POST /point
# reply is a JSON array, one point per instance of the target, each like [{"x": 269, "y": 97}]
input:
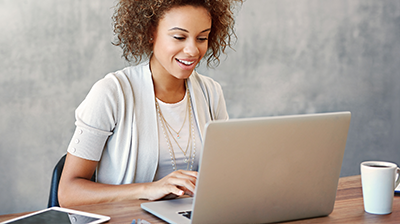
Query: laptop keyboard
[{"x": 187, "y": 214}]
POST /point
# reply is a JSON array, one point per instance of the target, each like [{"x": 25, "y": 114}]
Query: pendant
[
  {"x": 178, "y": 137},
  {"x": 185, "y": 160}
]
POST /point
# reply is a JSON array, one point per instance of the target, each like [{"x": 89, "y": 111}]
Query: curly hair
[{"x": 136, "y": 20}]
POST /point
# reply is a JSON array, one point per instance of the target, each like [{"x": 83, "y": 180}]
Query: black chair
[{"x": 53, "y": 197}]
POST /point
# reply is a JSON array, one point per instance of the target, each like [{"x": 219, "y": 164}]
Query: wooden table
[{"x": 348, "y": 208}]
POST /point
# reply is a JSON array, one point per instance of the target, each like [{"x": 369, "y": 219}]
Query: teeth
[{"x": 186, "y": 62}]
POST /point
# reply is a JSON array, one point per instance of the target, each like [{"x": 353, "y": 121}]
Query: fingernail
[{"x": 181, "y": 192}]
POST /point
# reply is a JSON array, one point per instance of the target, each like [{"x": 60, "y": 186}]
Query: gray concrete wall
[{"x": 291, "y": 57}]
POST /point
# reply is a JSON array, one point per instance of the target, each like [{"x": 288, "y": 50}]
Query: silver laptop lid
[{"x": 270, "y": 169}]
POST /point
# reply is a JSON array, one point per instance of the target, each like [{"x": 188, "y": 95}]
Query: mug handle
[{"x": 398, "y": 177}]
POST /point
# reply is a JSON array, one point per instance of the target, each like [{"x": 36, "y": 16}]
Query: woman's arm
[{"x": 76, "y": 188}]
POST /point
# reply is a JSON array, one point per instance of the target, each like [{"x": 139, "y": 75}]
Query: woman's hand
[
  {"x": 173, "y": 185},
  {"x": 76, "y": 188}
]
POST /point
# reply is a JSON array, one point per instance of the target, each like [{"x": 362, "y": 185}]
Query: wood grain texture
[{"x": 348, "y": 208}]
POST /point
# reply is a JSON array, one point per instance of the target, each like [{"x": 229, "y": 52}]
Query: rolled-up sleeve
[
  {"x": 95, "y": 121},
  {"x": 88, "y": 143}
]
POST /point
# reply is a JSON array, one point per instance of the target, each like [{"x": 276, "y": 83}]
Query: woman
[{"x": 141, "y": 128}]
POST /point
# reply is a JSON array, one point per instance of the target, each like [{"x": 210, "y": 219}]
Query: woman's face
[{"x": 180, "y": 41}]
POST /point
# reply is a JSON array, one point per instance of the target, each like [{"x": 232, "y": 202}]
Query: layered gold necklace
[{"x": 167, "y": 132}]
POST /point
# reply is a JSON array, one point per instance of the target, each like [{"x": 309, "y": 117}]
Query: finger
[
  {"x": 176, "y": 190},
  {"x": 187, "y": 192},
  {"x": 189, "y": 173},
  {"x": 184, "y": 175},
  {"x": 182, "y": 183}
]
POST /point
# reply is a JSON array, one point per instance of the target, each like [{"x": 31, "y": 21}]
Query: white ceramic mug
[{"x": 379, "y": 179}]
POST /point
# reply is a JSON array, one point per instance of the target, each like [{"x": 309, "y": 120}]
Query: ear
[{"x": 152, "y": 33}]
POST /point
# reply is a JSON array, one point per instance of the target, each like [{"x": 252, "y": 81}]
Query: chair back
[{"x": 55, "y": 179}]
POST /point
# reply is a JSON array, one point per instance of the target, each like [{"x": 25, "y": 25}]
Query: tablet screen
[{"x": 51, "y": 216}]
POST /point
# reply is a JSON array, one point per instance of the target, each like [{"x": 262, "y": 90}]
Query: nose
[{"x": 191, "y": 48}]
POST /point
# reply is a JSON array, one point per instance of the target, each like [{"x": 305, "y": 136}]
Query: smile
[{"x": 185, "y": 62}]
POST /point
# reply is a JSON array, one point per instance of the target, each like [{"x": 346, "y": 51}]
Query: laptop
[{"x": 263, "y": 170}]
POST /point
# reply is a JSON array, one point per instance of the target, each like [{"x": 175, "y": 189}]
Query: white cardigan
[{"x": 117, "y": 124}]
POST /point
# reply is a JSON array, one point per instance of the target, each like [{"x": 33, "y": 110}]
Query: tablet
[{"x": 60, "y": 216}]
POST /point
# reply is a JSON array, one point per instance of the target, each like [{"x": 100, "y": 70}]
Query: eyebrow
[{"x": 184, "y": 30}]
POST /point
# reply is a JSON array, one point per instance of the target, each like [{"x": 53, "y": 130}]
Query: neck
[
  {"x": 169, "y": 93},
  {"x": 168, "y": 88}
]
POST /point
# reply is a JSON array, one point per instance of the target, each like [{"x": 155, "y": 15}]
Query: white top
[
  {"x": 117, "y": 123},
  {"x": 177, "y": 117}
]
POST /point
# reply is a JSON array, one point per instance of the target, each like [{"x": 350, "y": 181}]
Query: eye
[
  {"x": 202, "y": 38},
  {"x": 179, "y": 37}
]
